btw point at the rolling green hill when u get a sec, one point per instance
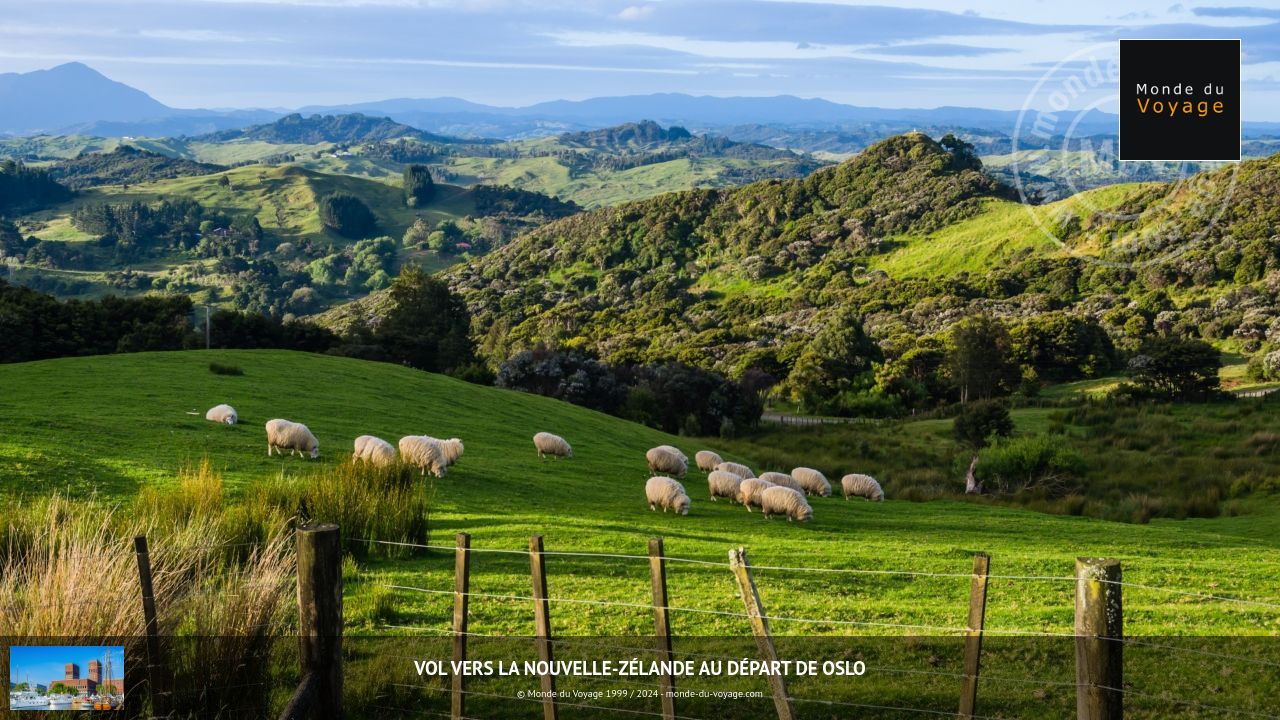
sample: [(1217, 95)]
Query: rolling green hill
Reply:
[(141, 418)]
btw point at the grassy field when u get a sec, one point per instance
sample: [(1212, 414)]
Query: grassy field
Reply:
[(104, 427)]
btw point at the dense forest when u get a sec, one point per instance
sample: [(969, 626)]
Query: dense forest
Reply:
[(127, 165), (25, 189)]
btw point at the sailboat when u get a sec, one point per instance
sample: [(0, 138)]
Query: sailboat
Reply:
[(27, 699)]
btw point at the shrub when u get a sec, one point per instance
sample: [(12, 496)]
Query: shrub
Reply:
[(220, 369), (1034, 463)]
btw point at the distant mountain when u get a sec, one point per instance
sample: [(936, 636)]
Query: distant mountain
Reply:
[(348, 128), (628, 135), (189, 122), (67, 95)]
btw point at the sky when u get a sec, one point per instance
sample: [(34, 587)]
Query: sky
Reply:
[(900, 53), (44, 664)]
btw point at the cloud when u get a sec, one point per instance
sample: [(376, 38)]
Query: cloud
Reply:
[(937, 50), (1238, 11), (635, 12)]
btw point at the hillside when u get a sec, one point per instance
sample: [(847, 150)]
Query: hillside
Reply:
[(349, 128), (126, 165), (501, 493)]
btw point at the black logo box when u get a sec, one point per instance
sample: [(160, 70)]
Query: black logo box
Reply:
[(1186, 65)]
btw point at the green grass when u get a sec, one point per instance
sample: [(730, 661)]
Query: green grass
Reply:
[(104, 427)]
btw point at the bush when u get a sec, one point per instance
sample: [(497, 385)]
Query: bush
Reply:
[(220, 369), (1035, 463)]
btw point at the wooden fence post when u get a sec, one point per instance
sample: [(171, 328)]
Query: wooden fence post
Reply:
[(662, 625), (1099, 640), (159, 689), (760, 627), (320, 618), (542, 626), (461, 586), (973, 634)]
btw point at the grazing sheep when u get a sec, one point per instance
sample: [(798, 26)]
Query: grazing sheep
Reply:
[(668, 494), (424, 453), (738, 469), (863, 486), (783, 479), (707, 460), (552, 445), (677, 451), (813, 482), (723, 484), (666, 459), (452, 450), (373, 450), (222, 414), (749, 492), (295, 437), (785, 501)]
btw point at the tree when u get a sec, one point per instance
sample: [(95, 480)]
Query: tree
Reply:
[(974, 427), (839, 353), (980, 358), (1174, 368), (418, 186), (347, 215), (427, 326)]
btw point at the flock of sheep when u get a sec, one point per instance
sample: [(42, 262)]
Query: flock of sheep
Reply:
[(775, 493)]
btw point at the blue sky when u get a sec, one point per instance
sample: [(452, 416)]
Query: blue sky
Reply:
[(45, 663), (908, 53)]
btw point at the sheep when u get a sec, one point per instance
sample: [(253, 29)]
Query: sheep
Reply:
[(663, 459), (666, 493), (676, 451), (863, 486), (723, 484), (783, 479), (812, 481), (222, 414), (785, 501), (452, 450), (424, 453), (552, 445), (738, 469), (707, 460), (295, 437), (749, 491), (373, 450)]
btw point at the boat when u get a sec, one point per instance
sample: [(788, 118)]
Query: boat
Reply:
[(27, 700), (60, 702)]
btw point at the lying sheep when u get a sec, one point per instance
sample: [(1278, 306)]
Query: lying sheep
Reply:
[(707, 460), (785, 501), (452, 450), (749, 492), (373, 450), (813, 482), (666, 459), (295, 437), (738, 469), (424, 453), (863, 486), (783, 479), (222, 414), (668, 494), (723, 484), (552, 445)]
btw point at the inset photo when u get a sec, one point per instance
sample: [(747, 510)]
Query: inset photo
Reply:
[(66, 677)]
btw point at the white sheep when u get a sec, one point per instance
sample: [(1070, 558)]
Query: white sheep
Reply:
[(749, 491), (738, 469), (424, 453), (666, 459), (222, 414), (666, 493), (723, 484), (552, 445), (783, 479), (707, 460), (785, 501), (677, 451), (863, 486), (373, 450), (813, 482), (452, 450), (295, 437)]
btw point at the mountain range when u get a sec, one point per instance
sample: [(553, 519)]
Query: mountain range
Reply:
[(73, 98)]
